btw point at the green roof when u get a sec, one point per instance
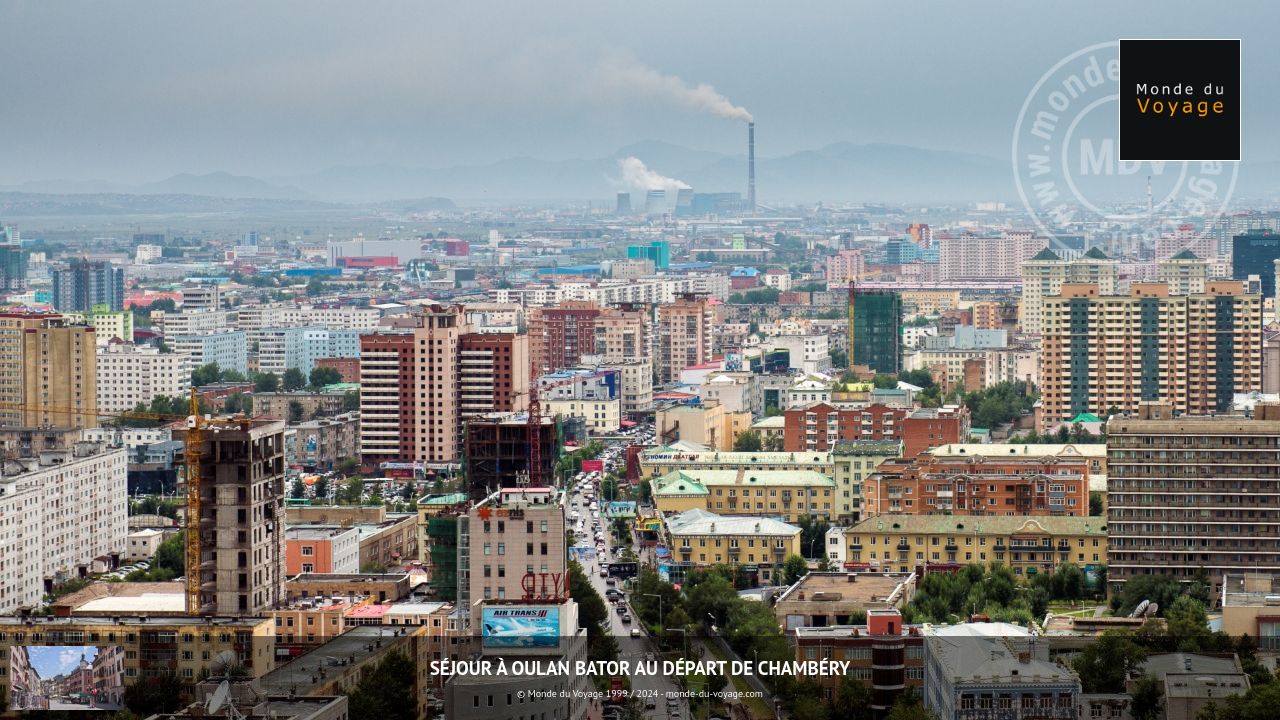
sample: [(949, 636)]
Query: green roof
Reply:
[(981, 525), (1185, 255), (1085, 418), (675, 484), (1096, 254), (745, 477), (1046, 254), (450, 499)]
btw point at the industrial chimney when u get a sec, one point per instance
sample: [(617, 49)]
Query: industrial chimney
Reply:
[(751, 167)]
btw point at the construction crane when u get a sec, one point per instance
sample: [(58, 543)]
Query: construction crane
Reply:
[(196, 425), (535, 427)]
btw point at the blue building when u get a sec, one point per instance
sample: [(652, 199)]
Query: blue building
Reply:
[(659, 251)]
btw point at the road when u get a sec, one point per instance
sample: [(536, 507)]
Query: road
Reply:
[(630, 649)]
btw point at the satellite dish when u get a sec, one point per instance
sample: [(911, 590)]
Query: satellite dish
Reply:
[(219, 697), (223, 662)]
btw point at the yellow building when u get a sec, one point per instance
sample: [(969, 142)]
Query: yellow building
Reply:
[(930, 302), (853, 462), (664, 459), (708, 424), (903, 543), (48, 366), (699, 538), (789, 494), (152, 644)]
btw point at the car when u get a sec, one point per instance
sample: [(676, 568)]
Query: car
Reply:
[(635, 633), (626, 619), (622, 609), (604, 573), (610, 581), (649, 703)]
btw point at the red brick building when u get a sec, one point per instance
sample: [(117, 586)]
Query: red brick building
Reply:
[(559, 336), (348, 368), (1052, 485), (883, 654), (930, 427), (821, 425)]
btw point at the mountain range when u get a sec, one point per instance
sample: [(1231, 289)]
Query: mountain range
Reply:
[(839, 172)]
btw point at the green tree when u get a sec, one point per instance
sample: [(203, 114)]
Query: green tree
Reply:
[(206, 374), (809, 708), (266, 382), (794, 568), (712, 596), (813, 536), (1068, 582), (352, 491), (1104, 664), (1096, 500), (297, 490), (747, 441), (593, 615), (852, 700), (884, 381), (315, 286), (172, 554), (773, 443), (920, 378), (839, 358), (322, 487), (373, 567), (1160, 589), (350, 400), (322, 376), (295, 411), (1187, 623), (165, 693), (909, 706), (386, 693), (294, 380), (238, 403), (1147, 699)]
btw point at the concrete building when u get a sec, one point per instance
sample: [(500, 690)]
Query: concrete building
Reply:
[(875, 330), (68, 514), (201, 297), (493, 375), (284, 348), (242, 496), (514, 537), (853, 462), (827, 599), (1211, 508), (973, 258), (560, 336), (81, 284), (129, 374), (49, 366), (252, 318), (622, 335), (191, 323), (663, 459), (845, 266), (1184, 273), (1044, 275), (995, 671), (228, 348), (324, 442), (1102, 352), (144, 543), (634, 378), (819, 426), (276, 405), (788, 495), (709, 424), (684, 336), (1249, 602), (883, 654), (322, 550), (928, 543), (699, 538)]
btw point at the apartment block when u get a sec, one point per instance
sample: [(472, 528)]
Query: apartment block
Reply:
[(1044, 275), (67, 511), (663, 459), (978, 671), (1023, 480), (1102, 352), (559, 336), (846, 266), (322, 550), (635, 381), (201, 297), (129, 374), (493, 374), (280, 349), (1184, 273), (81, 284), (228, 348), (884, 655), (252, 318), (513, 537), (1187, 493), (932, 543), (242, 561), (788, 495), (853, 462), (699, 539), (684, 336), (819, 426), (622, 335), (969, 257), (710, 425), (875, 330), (48, 371)]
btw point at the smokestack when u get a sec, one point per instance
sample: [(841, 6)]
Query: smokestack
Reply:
[(751, 167)]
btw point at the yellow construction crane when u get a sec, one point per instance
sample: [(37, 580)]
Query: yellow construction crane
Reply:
[(196, 424)]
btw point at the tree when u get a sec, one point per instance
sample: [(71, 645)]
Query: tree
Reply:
[(920, 378), (884, 381), (353, 491), (852, 700), (747, 441), (593, 615), (294, 380), (315, 286), (172, 554), (1068, 582), (813, 536), (373, 567), (322, 376), (1187, 622), (712, 596), (156, 694), (266, 382), (297, 490), (794, 568), (408, 491), (238, 403), (1159, 589), (295, 411), (1104, 664), (909, 706), (1096, 498), (773, 443), (839, 358), (206, 374), (350, 400), (322, 487), (1147, 696), (386, 693)]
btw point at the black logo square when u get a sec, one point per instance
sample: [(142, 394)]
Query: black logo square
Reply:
[(1180, 100)]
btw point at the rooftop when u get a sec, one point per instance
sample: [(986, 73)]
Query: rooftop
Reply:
[(701, 522), (1085, 450), (981, 525), (993, 652), (450, 499), (355, 646), (669, 453), (745, 477), (868, 447), (868, 587)]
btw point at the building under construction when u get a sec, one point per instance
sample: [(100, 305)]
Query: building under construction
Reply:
[(241, 479), (497, 452)]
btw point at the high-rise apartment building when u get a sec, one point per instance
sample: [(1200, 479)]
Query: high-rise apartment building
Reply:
[(621, 335), (875, 329), (559, 336), (1254, 253), (1184, 273), (129, 374), (229, 349), (81, 284), (514, 536), (13, 268), (419, 385), (968, 257), (1102, 352), (242, 520), (684, 336), (1185, 493), (48, 371), (280, 349), (1044, 275), (846, 266), (199, 297)]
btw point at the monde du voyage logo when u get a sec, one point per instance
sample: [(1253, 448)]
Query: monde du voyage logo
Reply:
[(1180, 100)]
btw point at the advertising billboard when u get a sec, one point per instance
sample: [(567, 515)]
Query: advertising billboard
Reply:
[(529, 626), (593, 466), (66, 677)]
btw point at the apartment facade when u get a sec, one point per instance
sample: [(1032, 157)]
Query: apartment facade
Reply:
[(968, 257), (48, 371), (228, 348), (1045, 273), (789, 495), (559, 336), (493, 374), (322, 550), (1196, 351), (684, 336), (1185, 493), (81, 284), (514, 537), (66, 509), (820, 426), (852, 463), (129, 374), (699, 538)]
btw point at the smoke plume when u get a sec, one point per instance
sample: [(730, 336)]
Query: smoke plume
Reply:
[(633, 77), (637, 176)]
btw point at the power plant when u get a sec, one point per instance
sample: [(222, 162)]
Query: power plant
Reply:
[(624, 204), (751, 167)]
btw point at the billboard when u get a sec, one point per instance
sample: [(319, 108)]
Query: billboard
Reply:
[(66, 677), (527, 626), (593, 466)]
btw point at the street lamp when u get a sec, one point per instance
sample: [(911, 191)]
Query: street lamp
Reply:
[(659, 607)]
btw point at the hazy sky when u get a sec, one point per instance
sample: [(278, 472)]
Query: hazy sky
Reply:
[(136, 91)]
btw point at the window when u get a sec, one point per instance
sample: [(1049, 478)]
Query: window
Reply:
[(308, 550)]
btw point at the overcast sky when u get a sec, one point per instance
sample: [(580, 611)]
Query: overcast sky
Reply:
[(137, 91)]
